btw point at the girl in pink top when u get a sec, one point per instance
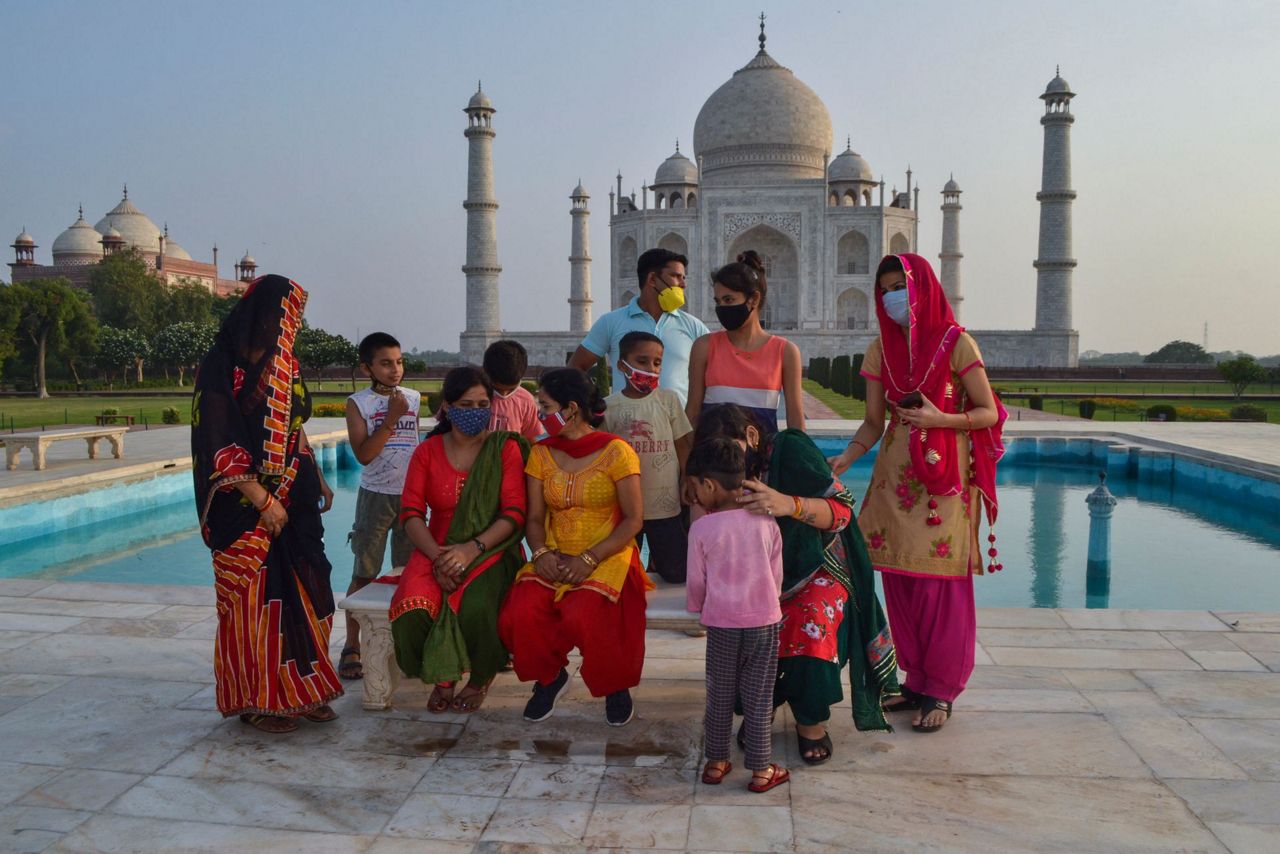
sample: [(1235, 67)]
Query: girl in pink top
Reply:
[(734, 581)]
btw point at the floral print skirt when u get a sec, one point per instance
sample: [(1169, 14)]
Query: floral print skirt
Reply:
[(811, 619)]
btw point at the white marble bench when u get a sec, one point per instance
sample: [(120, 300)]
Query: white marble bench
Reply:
[(38, 443), (370, 604)]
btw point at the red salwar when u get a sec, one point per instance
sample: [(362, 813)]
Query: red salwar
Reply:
[(540, 632), (935, 628)]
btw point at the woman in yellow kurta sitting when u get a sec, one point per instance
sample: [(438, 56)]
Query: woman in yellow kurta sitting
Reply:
[(584, 586)]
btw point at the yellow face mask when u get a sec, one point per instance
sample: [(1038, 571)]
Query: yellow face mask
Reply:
[(670, 299)]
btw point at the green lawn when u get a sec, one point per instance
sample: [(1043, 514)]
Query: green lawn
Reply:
[(23, 413), (1136, 413), (847, 407), (1122, 388)]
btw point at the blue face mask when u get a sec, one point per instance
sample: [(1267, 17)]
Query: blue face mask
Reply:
[(896, 306), (469, 421)]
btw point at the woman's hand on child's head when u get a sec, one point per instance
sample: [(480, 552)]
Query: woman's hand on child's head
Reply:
[(763, 501), (839, 463)]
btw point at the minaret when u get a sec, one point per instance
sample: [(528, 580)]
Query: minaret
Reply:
[(951, 254), (482, 267), (579, 263), (1054, 265)]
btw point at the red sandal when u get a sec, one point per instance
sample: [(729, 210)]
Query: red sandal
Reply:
[(777, 777), (714, 772)]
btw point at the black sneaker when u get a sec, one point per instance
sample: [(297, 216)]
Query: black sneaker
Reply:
[(543, 702), (618, 708)]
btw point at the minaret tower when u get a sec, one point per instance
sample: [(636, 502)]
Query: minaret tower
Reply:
[(482, 267), (1055, 263), (579, 263), (951, 254)]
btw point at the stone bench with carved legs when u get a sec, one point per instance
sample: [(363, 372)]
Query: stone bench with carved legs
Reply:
[(370, 604), (38, 443)]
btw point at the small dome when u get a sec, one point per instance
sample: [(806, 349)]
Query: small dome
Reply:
[(579, 192), (133, 225), (247, 261), (79, 239), (849, 166), (479, 101), (173, 250), (951, 186), (24, 239), (110, 235), (676, 169), (1058, 86)]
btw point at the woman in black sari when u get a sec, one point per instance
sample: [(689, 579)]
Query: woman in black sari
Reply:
[(259, 494)]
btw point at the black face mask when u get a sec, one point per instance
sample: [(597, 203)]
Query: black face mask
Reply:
[(732, 317)]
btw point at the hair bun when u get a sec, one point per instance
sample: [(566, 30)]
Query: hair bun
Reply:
[(753, 260)]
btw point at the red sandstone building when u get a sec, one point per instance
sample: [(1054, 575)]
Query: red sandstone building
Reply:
[(78, 249)]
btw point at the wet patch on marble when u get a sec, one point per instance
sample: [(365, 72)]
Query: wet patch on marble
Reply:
[(452, 775), (556, 782), (897, 812), (1254, 745), (621, 785)]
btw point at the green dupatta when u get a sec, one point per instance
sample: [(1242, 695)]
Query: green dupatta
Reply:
[(445, 656), (798, 467)]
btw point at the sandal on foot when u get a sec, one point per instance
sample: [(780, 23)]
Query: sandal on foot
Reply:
[(715, 771), (929, 705), (470, 698), (321, 714), (909, 701), (813, 744), (439, 702), (349, 666), (274, 724), (777, 775)]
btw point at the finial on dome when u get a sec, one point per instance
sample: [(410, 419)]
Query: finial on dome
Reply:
[(479, 88), (1057, 70), (762, 32), (677, 145), (166, 231), (848, 142), (82, 210), (126, 191)]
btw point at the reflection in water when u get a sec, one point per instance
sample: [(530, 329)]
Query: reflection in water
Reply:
[(1046, 543)]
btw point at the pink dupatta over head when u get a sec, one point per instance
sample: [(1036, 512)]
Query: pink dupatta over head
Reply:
[(920, 360)]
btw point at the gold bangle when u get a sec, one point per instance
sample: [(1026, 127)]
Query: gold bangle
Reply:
[(539, 553), (589, 558), (265, 504), (799, 511)]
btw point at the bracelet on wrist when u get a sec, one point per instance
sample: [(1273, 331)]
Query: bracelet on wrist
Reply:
[(865, 448), (266, 504), (537, 553), (589, 558), (479, 545), (968, 422), (799, 511)]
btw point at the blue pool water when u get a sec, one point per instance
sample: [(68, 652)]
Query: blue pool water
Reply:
[(1174, 545)]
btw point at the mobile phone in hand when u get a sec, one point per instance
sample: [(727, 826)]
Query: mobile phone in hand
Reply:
[(913, 400)]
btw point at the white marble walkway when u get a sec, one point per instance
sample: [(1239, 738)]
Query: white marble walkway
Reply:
[(1081, 731)]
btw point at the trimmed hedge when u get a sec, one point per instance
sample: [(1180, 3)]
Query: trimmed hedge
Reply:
[(857, 382), (1162, 412), (329, 410), (840, 375), (820, 371), (1087, 408), (171, 415), (1248, 412), (1036, 402)]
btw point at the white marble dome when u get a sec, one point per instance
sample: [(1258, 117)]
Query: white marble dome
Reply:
[(24, 239), (676, 169), (79, 239), (1058, 86), (173, 250), (850, 166), (134, 226), (951, 186), (761, 124)]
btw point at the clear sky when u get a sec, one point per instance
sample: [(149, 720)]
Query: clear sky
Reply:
[(326, 139)]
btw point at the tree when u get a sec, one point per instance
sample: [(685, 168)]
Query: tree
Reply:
[(317, 350), (220, 307), (80, 344), (51, 313), (185, 302), (1179, 353), (1242, 373), (121, 348), (184, 344), (126, 295), (8, 322)]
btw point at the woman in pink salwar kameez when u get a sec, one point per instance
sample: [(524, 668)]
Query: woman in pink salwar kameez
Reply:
[(933, 477)]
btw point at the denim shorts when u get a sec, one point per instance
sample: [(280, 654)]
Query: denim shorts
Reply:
[(377, 514)]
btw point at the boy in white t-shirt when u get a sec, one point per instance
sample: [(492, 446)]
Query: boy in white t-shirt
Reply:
[(653, 421), (382, 426)]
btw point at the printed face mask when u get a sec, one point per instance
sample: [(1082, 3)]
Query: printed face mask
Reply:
[(732, 317), (642, 381), (469, 422), (670, 299), (896, 306), (552, 423)]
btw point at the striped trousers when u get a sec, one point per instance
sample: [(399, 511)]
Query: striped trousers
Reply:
[(741, 664)]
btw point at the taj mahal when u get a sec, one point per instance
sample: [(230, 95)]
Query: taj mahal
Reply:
[(762, 177)]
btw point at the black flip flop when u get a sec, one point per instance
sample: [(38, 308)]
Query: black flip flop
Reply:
[(929, 705), (911, 701), (810, 744)]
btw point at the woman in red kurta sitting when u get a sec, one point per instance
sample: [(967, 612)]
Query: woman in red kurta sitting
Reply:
[(463, 508), (584, 586)]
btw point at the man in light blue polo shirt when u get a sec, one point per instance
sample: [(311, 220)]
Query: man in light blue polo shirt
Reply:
[(656, 310)]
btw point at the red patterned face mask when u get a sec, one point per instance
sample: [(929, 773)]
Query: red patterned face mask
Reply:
[(642, 381), (552, 423)]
